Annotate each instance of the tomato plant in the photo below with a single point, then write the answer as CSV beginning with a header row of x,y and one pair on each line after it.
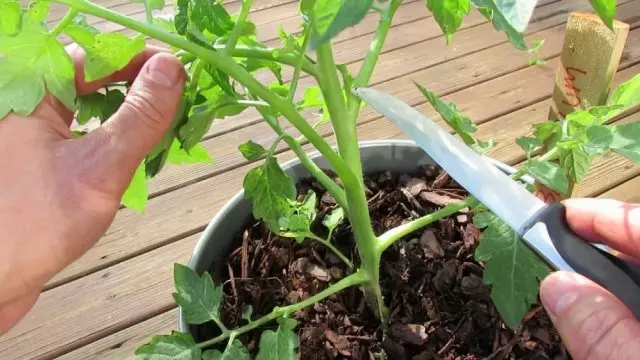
x,y
222,56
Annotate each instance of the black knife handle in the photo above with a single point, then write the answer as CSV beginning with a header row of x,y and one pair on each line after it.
x,y
618,276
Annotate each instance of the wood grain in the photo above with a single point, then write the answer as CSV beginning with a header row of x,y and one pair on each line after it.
x,y
627,191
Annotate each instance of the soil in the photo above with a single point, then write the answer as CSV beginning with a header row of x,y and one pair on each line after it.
x,y
439,306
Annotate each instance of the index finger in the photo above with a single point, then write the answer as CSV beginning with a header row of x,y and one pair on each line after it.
x,y
610,222
128,73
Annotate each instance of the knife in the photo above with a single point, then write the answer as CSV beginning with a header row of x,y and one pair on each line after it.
x,y
543,227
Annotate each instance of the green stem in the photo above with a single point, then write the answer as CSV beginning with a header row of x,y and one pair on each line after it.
x,y
302,58
393,235
198,67
239,27
357,278
222,327
324,179
228,66
66,20
371,59
148,12
330,246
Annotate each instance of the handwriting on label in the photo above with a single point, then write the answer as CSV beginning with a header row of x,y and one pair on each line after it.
x,y
571,91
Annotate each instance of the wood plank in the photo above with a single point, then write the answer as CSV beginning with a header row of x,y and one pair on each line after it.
x,y
627,191
123,344
101,303
482,41
149,299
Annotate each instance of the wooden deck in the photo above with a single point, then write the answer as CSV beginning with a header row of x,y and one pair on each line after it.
x,y
111,300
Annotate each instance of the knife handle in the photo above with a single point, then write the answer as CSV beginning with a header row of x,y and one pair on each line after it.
x,y
618,276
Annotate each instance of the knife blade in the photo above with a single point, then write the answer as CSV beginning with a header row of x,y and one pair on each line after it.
x,y
543,227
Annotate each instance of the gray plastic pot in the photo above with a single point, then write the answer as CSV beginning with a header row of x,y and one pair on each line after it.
x,y
381,155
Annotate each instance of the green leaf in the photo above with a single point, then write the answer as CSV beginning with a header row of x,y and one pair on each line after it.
x,y
81,31
38,10
529,145
599,138
449,14
246,314
332,19
627,94
198,296
211,16
152,4
109,53
574,160
135,197
549,174
461,124
177,346
331,221
31,64
236,351
196,155
251,150
626,140
512,269
312,98
298,223
548,132
280,344
89,107
271,191
606,9
11,19
506,15
112,102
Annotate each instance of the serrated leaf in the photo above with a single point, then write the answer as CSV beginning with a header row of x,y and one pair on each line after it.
x,y
236,351
507,16
136,195
196,155
38,10
11,19
280,344
177,346
335,218
606,9
333,16
599,138
211,16
31,64
112,102
197,295
81,31
109,53
251,150
626,140
461,124
550,174
449,14
89,106
548,133
529,145
271,192
512,269
627,94
575,161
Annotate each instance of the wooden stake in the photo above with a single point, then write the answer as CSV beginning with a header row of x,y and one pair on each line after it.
x,y
590,58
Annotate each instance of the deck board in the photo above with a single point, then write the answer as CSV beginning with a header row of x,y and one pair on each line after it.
x,y
109,302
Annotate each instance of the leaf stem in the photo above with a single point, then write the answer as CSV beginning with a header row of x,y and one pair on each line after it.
x,y
330,246
148,12
357,278
239,27
66,20
301,59
393,235
230,67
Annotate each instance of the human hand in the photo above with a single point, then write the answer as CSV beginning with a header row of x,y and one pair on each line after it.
x,y
592,322
59,194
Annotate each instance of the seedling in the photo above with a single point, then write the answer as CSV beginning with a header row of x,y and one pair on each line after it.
x,y
225,62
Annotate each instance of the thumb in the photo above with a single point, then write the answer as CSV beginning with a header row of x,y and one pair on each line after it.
x,y
118,147
591,321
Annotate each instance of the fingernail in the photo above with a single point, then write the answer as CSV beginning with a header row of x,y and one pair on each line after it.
x,y
559,291
166,70
589,205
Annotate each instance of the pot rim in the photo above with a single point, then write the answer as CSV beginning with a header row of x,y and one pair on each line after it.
x,y
219,218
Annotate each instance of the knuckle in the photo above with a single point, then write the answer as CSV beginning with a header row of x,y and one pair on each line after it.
x,y
142,104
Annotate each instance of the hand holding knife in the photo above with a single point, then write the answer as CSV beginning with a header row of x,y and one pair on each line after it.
x,y
543,227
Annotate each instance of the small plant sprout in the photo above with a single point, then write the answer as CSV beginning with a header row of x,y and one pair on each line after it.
x,y
229,71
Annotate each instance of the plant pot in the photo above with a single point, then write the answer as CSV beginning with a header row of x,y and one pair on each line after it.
x,y
380,155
